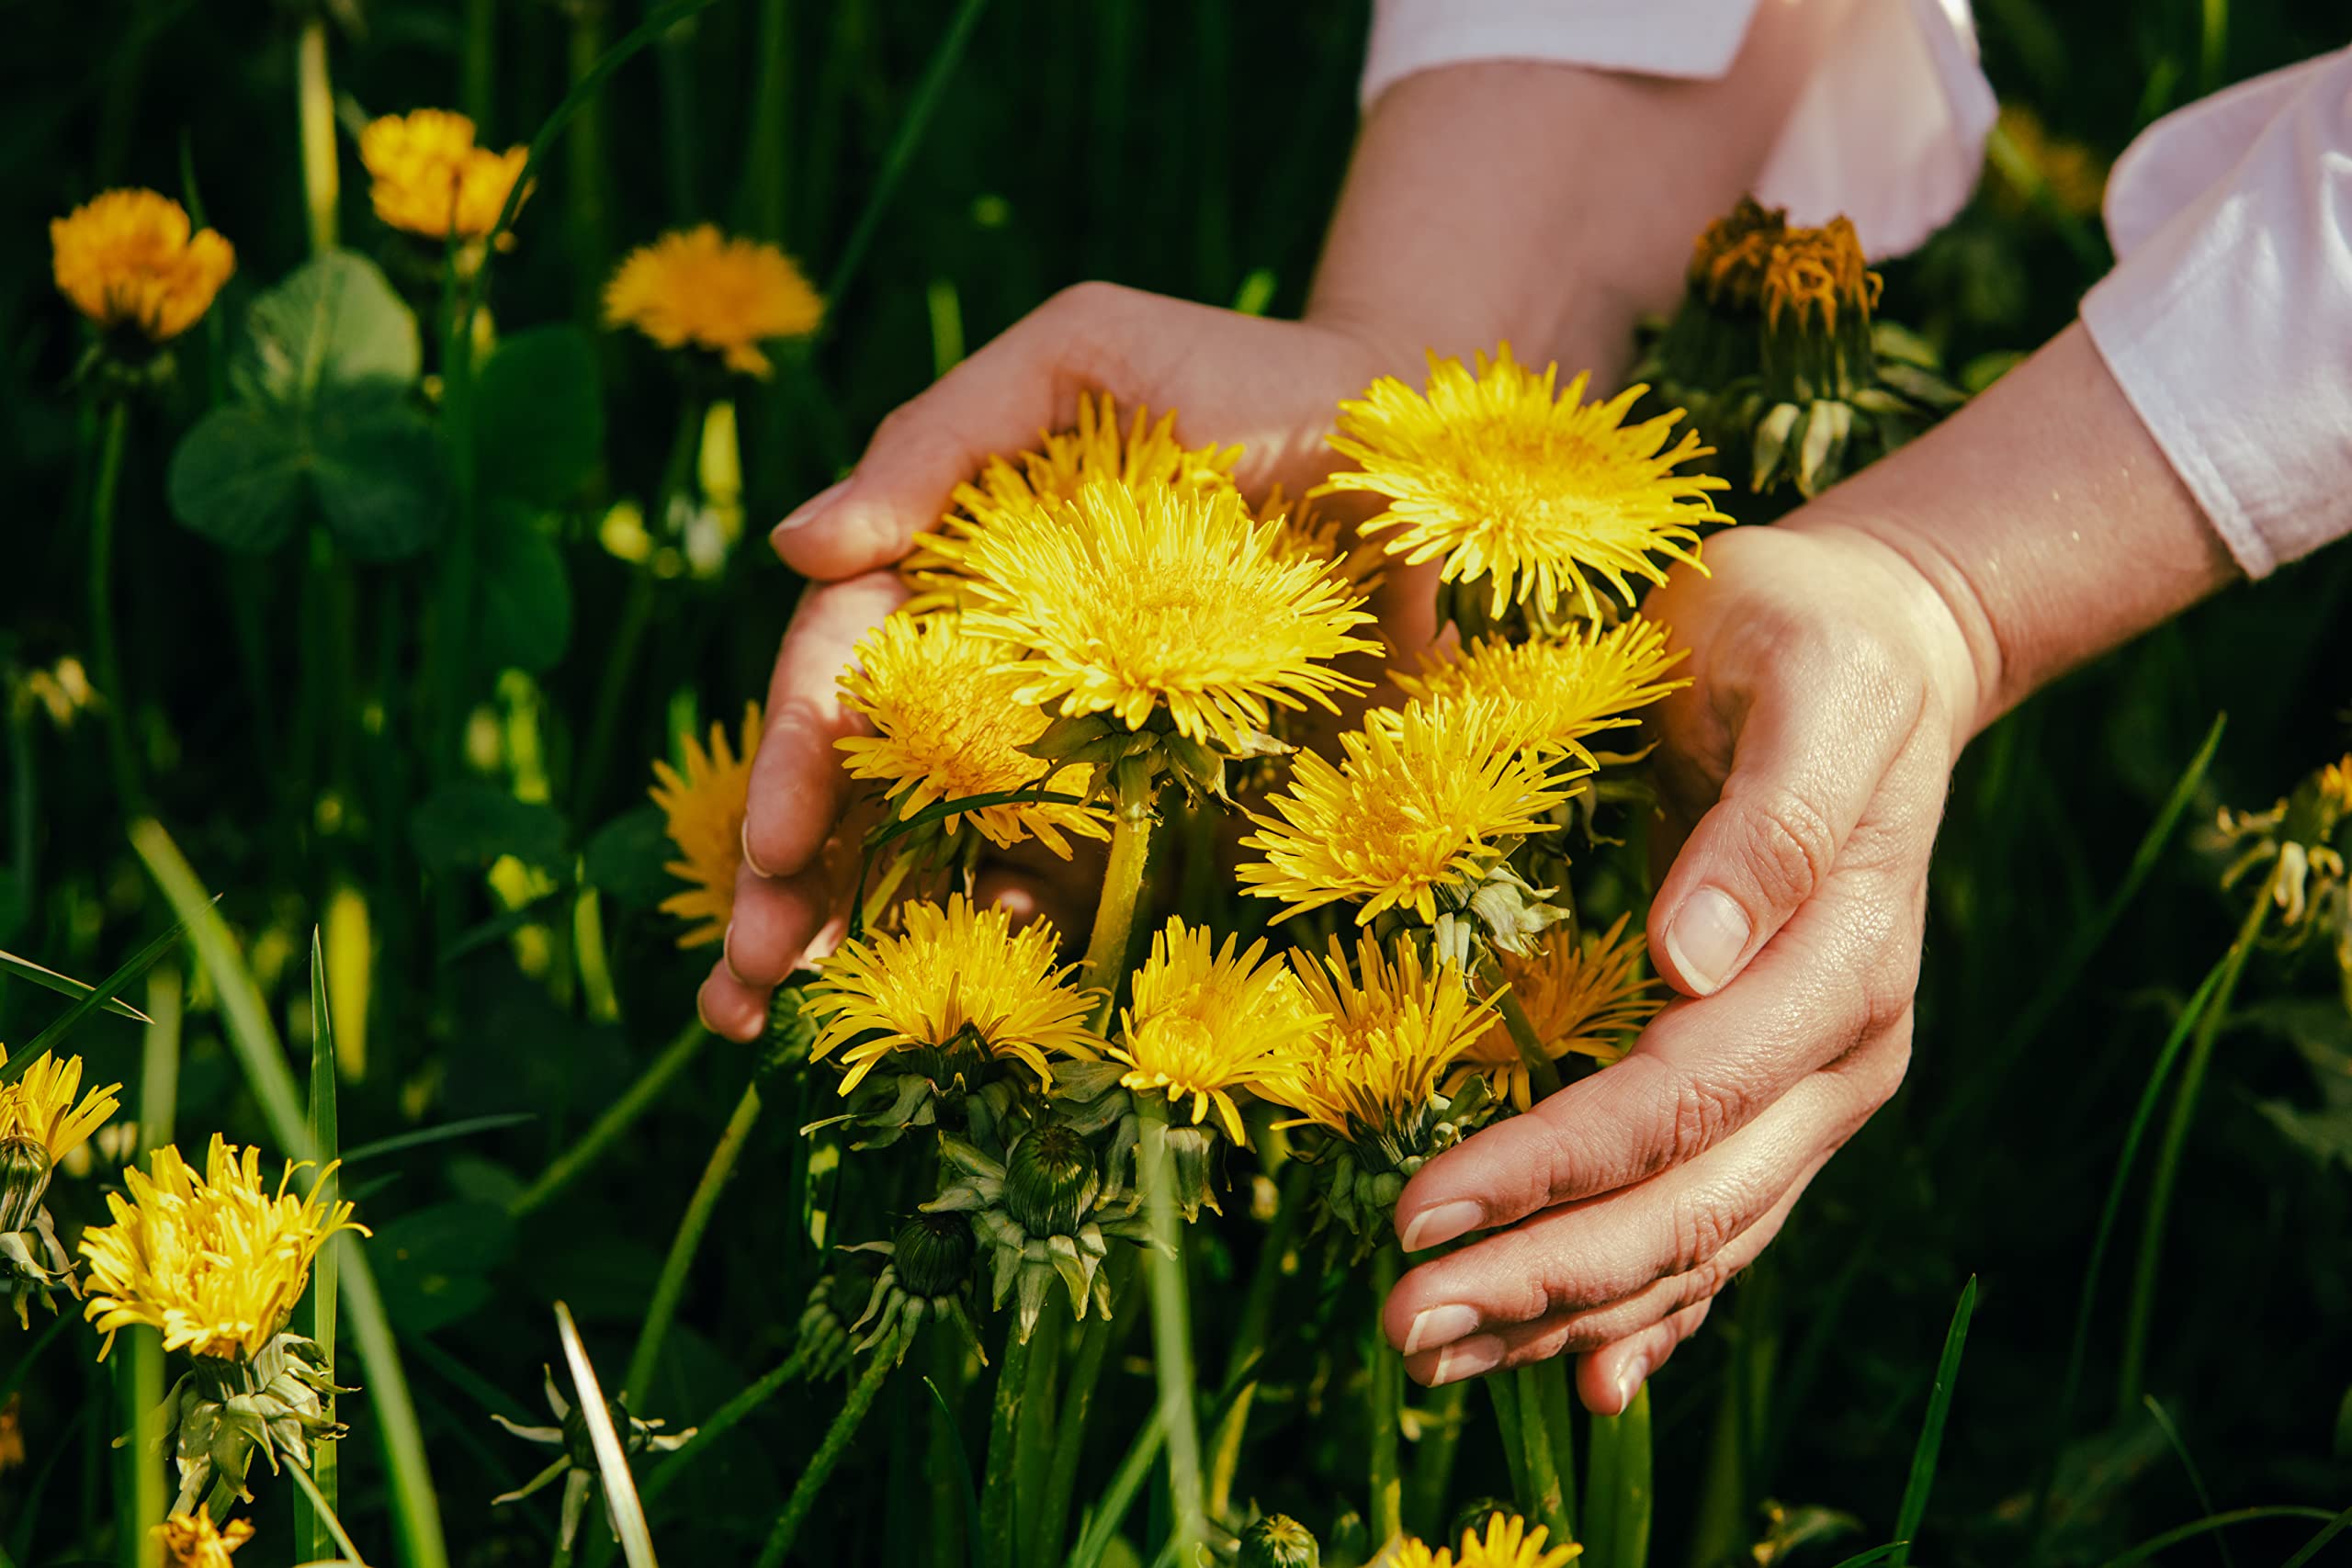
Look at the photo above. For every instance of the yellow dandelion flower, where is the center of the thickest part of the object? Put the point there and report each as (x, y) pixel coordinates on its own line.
(1308, 534)
(699, 289)
(2333, 785)
(1205, 1022)
(215, 1261)
(1126, 602)
(1538, 495)
(1565, 688)
(40, 1105)
(705, 809)
(190, 1541)
(1819, 270)
(1386, 1034)
(131, 258)
(1590, 997)
(1727, 260)
(1146, 456)
(428, 176)
(1506, 1542)
(1426, 799)
(948, 727)
(960, 979)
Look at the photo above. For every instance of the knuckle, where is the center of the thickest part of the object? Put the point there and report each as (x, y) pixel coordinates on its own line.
(1700, 1112)
(1702, 1230)
(1791, 846)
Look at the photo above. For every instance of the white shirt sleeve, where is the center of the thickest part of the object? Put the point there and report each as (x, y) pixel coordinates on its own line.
(2228, 318)
(1889, 129)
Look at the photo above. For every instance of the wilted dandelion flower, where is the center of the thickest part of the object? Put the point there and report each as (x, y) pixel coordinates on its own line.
(1506, 1542)
(215, 1262)
(2298, 834)
(948, 727)
(1588, 998)
(1387, 1033)
(699, 289)
(1565, 688)
(1728, 259)
(1205, 1022)
(1426, 799)
(704, 811)
(131, 258)
(961, 983)
(190, 1541)
(1819, 272)
(1125, 603)
(428, 178)
(1536, 495)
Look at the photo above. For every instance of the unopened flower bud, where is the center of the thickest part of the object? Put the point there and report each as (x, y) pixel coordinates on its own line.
(1279, 1541)
(933, 1254)
(1051, 1181)
(24, 1177)
(579, 1445)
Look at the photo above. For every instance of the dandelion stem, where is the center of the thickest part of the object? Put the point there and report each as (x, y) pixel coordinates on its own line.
(836, 1442)
(998, 1528)
(103, 650)
(1258, 1307)
(1542, 1072)
(2168, 1154)
(1046, 1532)
(1433, 1459)
(687, 1242)
(1546, 1494)
(1115, 917)
(618, 1119)
(326, 1512)
(1386, 1374)
(1171, 1329)
(314, 107)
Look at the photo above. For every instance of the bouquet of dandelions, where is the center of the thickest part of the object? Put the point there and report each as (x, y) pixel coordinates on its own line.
(1105, 636)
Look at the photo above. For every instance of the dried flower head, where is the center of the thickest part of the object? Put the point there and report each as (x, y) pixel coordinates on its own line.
(191, 1540)
(131, 258)
(699, 289)
(1728, 259)
(1819, 272)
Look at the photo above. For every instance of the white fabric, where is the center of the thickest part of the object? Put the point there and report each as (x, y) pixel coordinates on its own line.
(1890, 131)
(2228, 320)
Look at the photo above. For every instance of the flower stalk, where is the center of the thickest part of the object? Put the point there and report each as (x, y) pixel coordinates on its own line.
(314, 105)
(1171, 1328)
(999, 1526)
(1385, 1371)
(1123, 879)
(672, 1283)
(1541, 1071)
(103, 651)
(837, 1439)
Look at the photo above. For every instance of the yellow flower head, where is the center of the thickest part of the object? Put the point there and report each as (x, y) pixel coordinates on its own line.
(1426, 799)
(704, 809)
(1205, 1022)
(1147, 456)
(429, 178)
(1565, 688)
(1124, 601)
(1506, 1542)
(189, 1540)
(1588, 996)
(1819, 270)
(1727, 261)
(959, 980)
(1308, 534)
(1386, 1034)
(216, 1261)
(697, 289)
(1537, 494)
(126, 258)
(40, 1105)
(948, 728)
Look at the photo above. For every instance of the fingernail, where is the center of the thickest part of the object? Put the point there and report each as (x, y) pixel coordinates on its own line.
(808, 510)
(1707, 938)
(1438, 1326)
(1467, 1359)
(1629, 1382)
(749, 858)
(1434, 1228)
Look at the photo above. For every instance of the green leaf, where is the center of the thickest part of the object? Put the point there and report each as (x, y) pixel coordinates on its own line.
(105, 990)
(377, 463)
(63, 985)
(1931, 1431)
(471, 824)
(238, 477)
(526, 594)
(334, 320)
(538, 416)
(628, 856)
(436, 1263)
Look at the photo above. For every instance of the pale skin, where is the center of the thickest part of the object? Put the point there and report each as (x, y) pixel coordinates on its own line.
(1839, 661)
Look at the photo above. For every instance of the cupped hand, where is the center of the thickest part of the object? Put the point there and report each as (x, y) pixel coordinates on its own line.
(1803, 772)
(1271, 385)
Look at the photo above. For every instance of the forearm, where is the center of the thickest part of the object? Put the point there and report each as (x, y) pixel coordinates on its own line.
(2045, 517)
(1548, 204)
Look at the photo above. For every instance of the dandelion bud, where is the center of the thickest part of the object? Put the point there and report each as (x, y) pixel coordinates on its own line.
(1279, 1541)
(580, 1444)
(1051, 1181)
(933, 1254)
(24, 1177)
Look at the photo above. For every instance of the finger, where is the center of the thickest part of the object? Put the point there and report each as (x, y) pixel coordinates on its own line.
(797, 786)
(1842, 973)
(1593, 1254)
(1805, 767)
(775, 919)
(1026, 381)
(731, 1009)
(1607, 1379)
(1527, 1346)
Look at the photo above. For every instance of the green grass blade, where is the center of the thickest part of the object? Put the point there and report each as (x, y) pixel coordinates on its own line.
(2328, 1532)
(1931, 1431)
(2211, 1522)
(64, 984)
(1111, 1512)
(2196, 1477)
(612, 1460)
(1875, 1554)
(315, 1524)
(416, 1507)
(971, 1495)
(717, 1425)
(105, 991)
(618, 1119)
(1618, 1492)
(401, 1142)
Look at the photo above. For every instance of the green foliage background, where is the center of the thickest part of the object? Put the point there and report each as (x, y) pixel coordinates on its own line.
(1193, 149)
